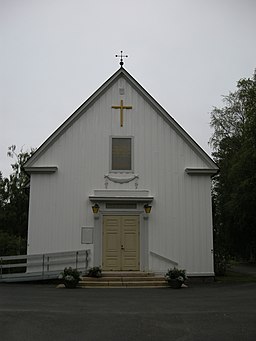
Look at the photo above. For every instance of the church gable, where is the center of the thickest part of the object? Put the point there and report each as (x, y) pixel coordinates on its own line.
(120, 107)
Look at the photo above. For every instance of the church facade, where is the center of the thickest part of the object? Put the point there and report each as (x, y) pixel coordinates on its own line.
(122, 178)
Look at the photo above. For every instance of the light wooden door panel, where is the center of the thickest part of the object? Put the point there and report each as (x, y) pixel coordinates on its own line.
(130, 239)
(121, 243)
(111, 243)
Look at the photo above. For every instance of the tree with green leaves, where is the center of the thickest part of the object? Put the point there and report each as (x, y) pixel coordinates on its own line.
(14, 205)
(234, 190)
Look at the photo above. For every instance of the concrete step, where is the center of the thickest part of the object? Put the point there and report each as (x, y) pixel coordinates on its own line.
(125, 284)
(124, 279)
(127, 274)
(121, 279)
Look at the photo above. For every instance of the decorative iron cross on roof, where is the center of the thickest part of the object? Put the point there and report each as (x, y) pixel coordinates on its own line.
(121, 107)
(121, 56)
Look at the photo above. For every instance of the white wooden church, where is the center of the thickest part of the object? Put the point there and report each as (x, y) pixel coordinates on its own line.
(121, 177)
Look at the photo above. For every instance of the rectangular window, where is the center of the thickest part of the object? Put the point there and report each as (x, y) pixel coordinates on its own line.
(121, 205)
(121, 154)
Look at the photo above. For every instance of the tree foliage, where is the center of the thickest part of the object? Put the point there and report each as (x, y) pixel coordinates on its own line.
(234, 190)
(14, 204)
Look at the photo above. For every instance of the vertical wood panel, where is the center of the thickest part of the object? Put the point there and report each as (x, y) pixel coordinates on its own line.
(111, 243)
(130, 243)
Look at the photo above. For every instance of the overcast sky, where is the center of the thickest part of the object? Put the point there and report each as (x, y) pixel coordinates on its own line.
(56, 53)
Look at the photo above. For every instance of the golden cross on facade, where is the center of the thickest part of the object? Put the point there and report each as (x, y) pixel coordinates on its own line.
(121, 107)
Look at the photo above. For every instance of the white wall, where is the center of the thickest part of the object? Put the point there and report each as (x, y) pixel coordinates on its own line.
(180, 222)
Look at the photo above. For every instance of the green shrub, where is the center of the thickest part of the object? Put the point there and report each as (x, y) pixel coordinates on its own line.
(177, 274)
(11, 245)
(70, 277)
(221, 263)
(95, 272)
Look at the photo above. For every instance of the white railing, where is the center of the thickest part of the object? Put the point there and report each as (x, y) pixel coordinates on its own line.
(168, 260)
(41, 266)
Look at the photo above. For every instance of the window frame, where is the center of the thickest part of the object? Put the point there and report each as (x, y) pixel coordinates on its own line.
(132, 155)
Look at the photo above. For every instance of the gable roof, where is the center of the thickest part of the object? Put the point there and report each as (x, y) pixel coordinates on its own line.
(153, 103)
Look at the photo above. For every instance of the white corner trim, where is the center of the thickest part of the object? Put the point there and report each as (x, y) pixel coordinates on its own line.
(198, 171)
(41, 170)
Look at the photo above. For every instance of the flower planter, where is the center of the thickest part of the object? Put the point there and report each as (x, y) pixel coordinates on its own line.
(95, 272)
(69, 277)
(176, 277)
(175, 283)
(70, 284)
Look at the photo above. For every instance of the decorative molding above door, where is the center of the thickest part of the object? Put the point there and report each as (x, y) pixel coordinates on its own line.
(121, 179)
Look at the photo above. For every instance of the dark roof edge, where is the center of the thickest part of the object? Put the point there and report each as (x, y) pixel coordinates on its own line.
(72, 118)
(174, 124)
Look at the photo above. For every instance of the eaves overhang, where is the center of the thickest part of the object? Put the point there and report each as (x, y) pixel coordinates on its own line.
(121, 195)
(41, 170)
(201, 171)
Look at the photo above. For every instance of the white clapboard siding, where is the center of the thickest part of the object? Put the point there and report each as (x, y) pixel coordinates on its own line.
(180, 226)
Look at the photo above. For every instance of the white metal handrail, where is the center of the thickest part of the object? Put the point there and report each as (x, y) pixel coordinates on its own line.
(41, 266)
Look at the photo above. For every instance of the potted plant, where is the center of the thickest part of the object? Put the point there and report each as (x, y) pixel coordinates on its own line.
(176, 277)
(70, 277)
(95, 272)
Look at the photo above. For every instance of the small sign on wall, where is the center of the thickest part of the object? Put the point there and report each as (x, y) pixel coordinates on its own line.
(87, 235)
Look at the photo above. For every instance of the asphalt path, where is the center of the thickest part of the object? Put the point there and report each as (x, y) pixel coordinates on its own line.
(200, 312)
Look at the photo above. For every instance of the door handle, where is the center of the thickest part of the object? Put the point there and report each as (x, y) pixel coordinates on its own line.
(122, 247)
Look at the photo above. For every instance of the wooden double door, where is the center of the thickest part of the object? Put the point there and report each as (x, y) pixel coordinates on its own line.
(121, 243)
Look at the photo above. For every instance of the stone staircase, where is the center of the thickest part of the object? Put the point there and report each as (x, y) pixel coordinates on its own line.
(130, 279)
